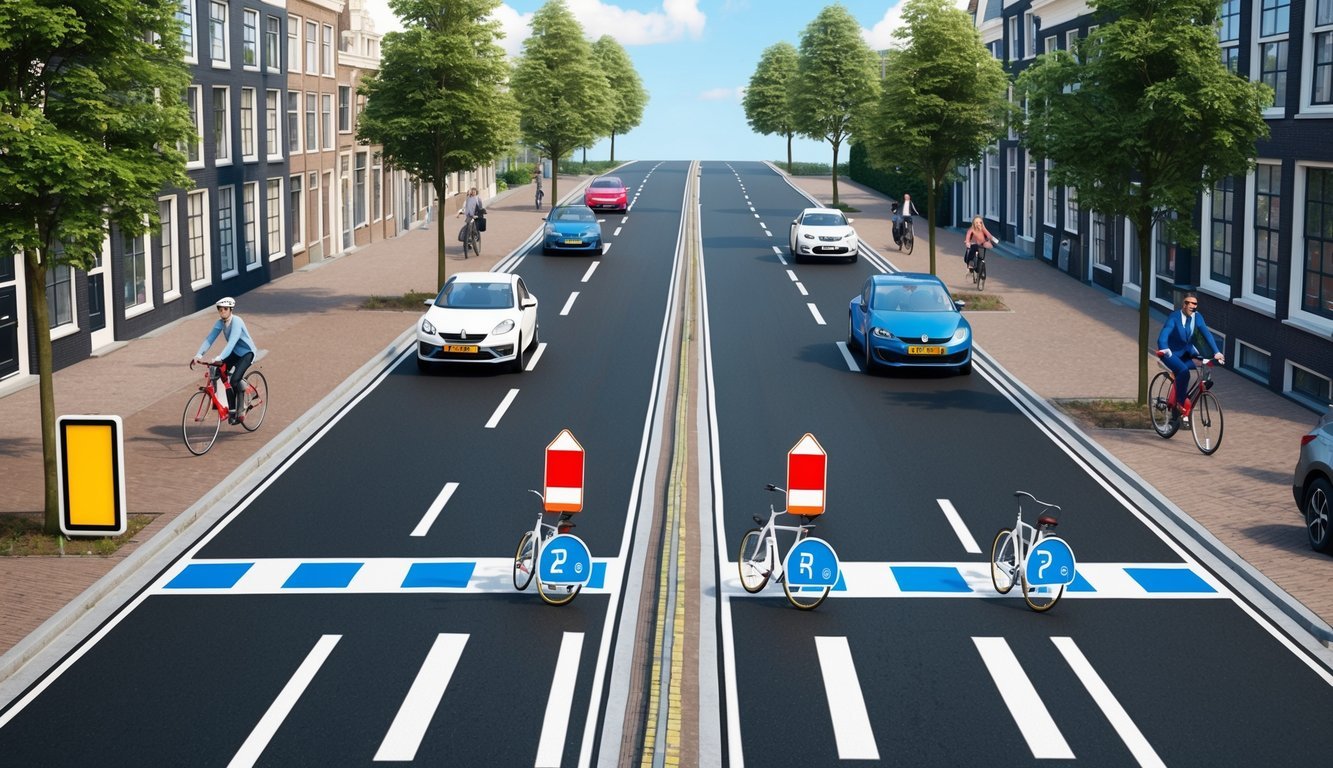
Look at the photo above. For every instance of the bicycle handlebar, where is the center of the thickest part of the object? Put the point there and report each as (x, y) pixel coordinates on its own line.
(1045, 505)
(774, 488)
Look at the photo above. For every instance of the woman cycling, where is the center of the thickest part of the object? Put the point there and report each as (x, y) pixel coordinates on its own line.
(977, 237)
(238, 354)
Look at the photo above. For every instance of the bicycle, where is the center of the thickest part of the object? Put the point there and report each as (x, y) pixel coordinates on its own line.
(204, 411)
(471, 238)
(540, 194)
(1202, 411)
(1010, 550)
(758, 557)
(907, 239)
(529, 553)
(978, 272)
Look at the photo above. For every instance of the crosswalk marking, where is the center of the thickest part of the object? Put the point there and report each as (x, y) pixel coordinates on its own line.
(1029, 712)
(1110, 706)
(959, 528)
(436, 507)
(418, 708)
(282, 706)
(847, 706)
(561, 702)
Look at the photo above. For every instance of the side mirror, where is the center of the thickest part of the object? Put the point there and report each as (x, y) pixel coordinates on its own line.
(959, 304)
(429, 302)
(849, 221)
(529, 302)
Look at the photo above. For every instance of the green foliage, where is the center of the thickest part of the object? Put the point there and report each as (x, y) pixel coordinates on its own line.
(813, 169)
(517, 175)
(766, 103)
(589, 168)
(628, 97)
(894, 182)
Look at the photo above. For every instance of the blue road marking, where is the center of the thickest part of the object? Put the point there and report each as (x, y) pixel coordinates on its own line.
(322, 576)
(439, 575)
(929, 578)
(1080, 584)
(598, 577)
(209, 576)
(1168, 580)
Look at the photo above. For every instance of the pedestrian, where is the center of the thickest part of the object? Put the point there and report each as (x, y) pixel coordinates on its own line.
(902, 215)
(977, 237)
(237, 354)
(1176, 347)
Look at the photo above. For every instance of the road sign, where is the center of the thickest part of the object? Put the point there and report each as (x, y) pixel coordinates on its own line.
(564, 474)
(90, 475)
(807, 474)
(811, 563)
(1050, 563)
(565, 561)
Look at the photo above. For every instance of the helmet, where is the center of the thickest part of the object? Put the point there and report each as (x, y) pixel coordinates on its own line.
(225, 301)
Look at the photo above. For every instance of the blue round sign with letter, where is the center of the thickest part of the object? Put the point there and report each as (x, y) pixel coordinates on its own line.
(564, 561)
(1050, 563)
(811, 563)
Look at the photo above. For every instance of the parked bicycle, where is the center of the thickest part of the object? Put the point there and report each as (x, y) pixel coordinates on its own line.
(1202, 411)
(205, 410)
(529, 554)
(760, 557)
(979, 269)
(1012, 549)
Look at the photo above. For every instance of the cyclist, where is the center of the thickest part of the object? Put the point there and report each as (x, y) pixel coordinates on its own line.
(977, 237)
(1176, 348)
(237, 354)
(902, 215)
(537, 179)
(473, 209)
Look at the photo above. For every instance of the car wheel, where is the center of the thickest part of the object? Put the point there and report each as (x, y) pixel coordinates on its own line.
(851, 337)
(867, 357)
(1317, 512)
(520, 356)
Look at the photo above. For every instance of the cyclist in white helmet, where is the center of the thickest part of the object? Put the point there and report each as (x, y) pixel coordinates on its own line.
(237, 354)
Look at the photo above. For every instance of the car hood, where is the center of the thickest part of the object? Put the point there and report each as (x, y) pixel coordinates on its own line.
(470, 321)
(911, 326)
(575, 227)
(839, 232)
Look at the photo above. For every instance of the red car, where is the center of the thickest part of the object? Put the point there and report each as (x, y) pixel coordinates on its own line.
(607, 192)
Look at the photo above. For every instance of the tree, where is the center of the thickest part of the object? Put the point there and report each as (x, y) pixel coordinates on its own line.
(627, 94)
(563, 96)
(439, 103)
(1143, 119)
(766, 102)
(837, 80)
(91, 125)
(942, 101)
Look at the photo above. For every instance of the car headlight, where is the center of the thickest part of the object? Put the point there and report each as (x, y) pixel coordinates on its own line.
(550, 230)
(882, 333)
(504, 327)
(807, 236)
(426, 327)
(959, 335)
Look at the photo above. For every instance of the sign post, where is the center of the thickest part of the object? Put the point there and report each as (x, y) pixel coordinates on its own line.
(563, 490)
(807, 476)
(90, 475)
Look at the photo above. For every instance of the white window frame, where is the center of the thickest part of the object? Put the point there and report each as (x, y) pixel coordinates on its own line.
(1130, 290)
(1012, 47)
(1071, 210)
(1288, 373)
(1099, 252)
(205, 239)
(189, 30)
(249, 15)
(377, 185)
(72, 327)
(311, 122)
(1236, 365)
(311, 47)
(171, 253)
(1029, 35)
(1029, 230)
(250, 225)
(228, 263)
(993, 184)
(146, 240)
(326, 119)
(249, 126)
(294, 127)
(1296, 316)
(326, 67)
(219, 25)
(275, 221)
(296, 188)
(344, 109)
(1257, 41)
(1011, 186)
(221, 139)
(294, 44)
(1313, 30)
(1248, 298)
(195, 93)
(1206, 282)
(272, 43)
(1048, 196)
(273, 135)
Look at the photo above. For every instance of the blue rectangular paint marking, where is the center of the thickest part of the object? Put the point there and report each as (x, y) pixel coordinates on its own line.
(1080, 584)
(929, 578)
(598, 577)
(1168, 580)
(322, 576)
(438, 575)
(209, 576)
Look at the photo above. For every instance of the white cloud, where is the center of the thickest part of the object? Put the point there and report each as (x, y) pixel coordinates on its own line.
(722, 94)
(881, 36)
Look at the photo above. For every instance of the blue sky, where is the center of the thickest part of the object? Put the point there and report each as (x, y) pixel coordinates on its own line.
(695, 58)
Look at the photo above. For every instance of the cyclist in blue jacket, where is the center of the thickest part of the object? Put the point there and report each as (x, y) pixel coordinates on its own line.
(237, 354)
(1175, 345)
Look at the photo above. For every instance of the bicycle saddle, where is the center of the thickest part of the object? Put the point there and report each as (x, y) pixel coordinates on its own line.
(1048, 521)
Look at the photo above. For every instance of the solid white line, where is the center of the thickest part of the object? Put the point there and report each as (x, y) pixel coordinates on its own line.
(846, 704)
(423, 698)
(815, 311)
(591, 268)
(847, 355)
(791, 273)
(1026, 707)
(569, 303)
(616, 233)
(500, 411)
(801, 288)
(558, 707)
(1133, 738)
(536, 355)
(282, 706)
(959, 527)
(436, 507)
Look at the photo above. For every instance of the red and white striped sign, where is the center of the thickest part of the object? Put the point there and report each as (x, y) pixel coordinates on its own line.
(564, 474)
(807, 475)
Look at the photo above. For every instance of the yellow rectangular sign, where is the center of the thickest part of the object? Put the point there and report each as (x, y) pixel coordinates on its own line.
(91, 475)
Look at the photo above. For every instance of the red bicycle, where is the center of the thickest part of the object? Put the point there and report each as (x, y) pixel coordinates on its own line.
(205, 410)
(1202, 413)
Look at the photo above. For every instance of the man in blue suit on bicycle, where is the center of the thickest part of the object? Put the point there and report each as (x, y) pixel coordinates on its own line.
(1175, 346)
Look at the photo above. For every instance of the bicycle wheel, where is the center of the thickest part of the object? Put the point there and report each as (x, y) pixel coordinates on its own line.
(981, 275)
(200, 423)
(755, 561)
(524, 562)
(473, 242)
(908, 240)
(1206, 423)
(1041, 598)
(1159, 393)
(805, 598)
(256, 401)
(557, 595)
(1003, 561)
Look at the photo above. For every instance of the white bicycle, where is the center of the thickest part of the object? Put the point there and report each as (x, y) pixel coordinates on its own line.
(759, 558)
(529, 553)
(1010, 550)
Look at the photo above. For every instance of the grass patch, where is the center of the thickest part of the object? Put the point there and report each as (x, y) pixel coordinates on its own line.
(21, 535)
(412, 300)
(811, 169)
(981, 302)
(1107, 414)
(845, 208)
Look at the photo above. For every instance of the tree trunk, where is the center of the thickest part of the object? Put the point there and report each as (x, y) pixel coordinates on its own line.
(613, 147)
(789, 137)
(1144, 234)
(555, 178)
(35, 273)
(930, 220)
(585, 155)
(441, 258)
(835, 173)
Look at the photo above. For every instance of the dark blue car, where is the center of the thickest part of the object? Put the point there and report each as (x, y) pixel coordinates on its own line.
(572, 228)
(907, 320)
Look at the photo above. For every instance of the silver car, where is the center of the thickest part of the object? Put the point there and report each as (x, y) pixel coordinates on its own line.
(1312, 483)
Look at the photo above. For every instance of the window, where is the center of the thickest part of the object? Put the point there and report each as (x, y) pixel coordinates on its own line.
(359, 190)
(194, 151)
(1317, 278)
(1318, 389)
(221, 125)
(166, 246)
(297, 204)
(134, 271)
(1011, 188)
(293, 44)
(1030, 197)
(1228, 34)
(185, 15)
(1222, 239)
(1052, 197)
(311, 46)
(293, 122)
(59, 293)
(1164, 265)
(1071, 209)
(217, 33)
(273, 218)
(1274, 25)
(1051, 44)
(271, 145)
(197, 232)
(1029, 35)
(1013, 39)
(227, 230)
(344, 108)
(326, 118)
(272, 57)
(1267, 223)
(326, 49)
(249, 213)
(248, 123)
(311, 138)
(1321, 75)
(377, 186)
(993, 185)
(250, 39)
(1253, 361)
(1071, 41)
(1100, 252)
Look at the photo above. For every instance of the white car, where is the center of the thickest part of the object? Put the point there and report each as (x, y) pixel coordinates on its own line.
(479, 317)
(822, 233)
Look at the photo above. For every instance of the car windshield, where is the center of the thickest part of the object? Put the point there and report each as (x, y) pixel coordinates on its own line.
(913, 298)
(607, 183)
(458, 295)
(573, 214)
(824, 220)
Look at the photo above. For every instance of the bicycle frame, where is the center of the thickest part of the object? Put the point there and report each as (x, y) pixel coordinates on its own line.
(769, 532)
(211, 389)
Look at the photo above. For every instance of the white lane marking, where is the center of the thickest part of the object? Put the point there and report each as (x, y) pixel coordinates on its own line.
(1110, 706)
(591, 268)
(959, 527)
(1026, 707)
(762, 224)
(755, 214)
(781, 258)
(617, 232)
(815, 311)
(282, 706)
(777, 250)
(847, 355)
(801, 288)
(846, 704)
(561, 703)
(536, 355)
(791, 273)
(423, 698)
(436, 507)
(500, 411)
(569, 303)
(601, 221)
(766, 232)
(606, 248)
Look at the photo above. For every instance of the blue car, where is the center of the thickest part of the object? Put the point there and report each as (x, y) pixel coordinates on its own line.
(572, 228)
(909, 320)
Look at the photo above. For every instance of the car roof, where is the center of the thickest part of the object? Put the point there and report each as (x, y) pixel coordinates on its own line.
(483, 277)
(616, 179)
(906, 278)
(575, 206)
(821, 210)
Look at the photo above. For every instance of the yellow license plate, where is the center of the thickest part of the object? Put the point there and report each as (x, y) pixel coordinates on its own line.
(573, 242)
(925, 350)
(468, 348)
